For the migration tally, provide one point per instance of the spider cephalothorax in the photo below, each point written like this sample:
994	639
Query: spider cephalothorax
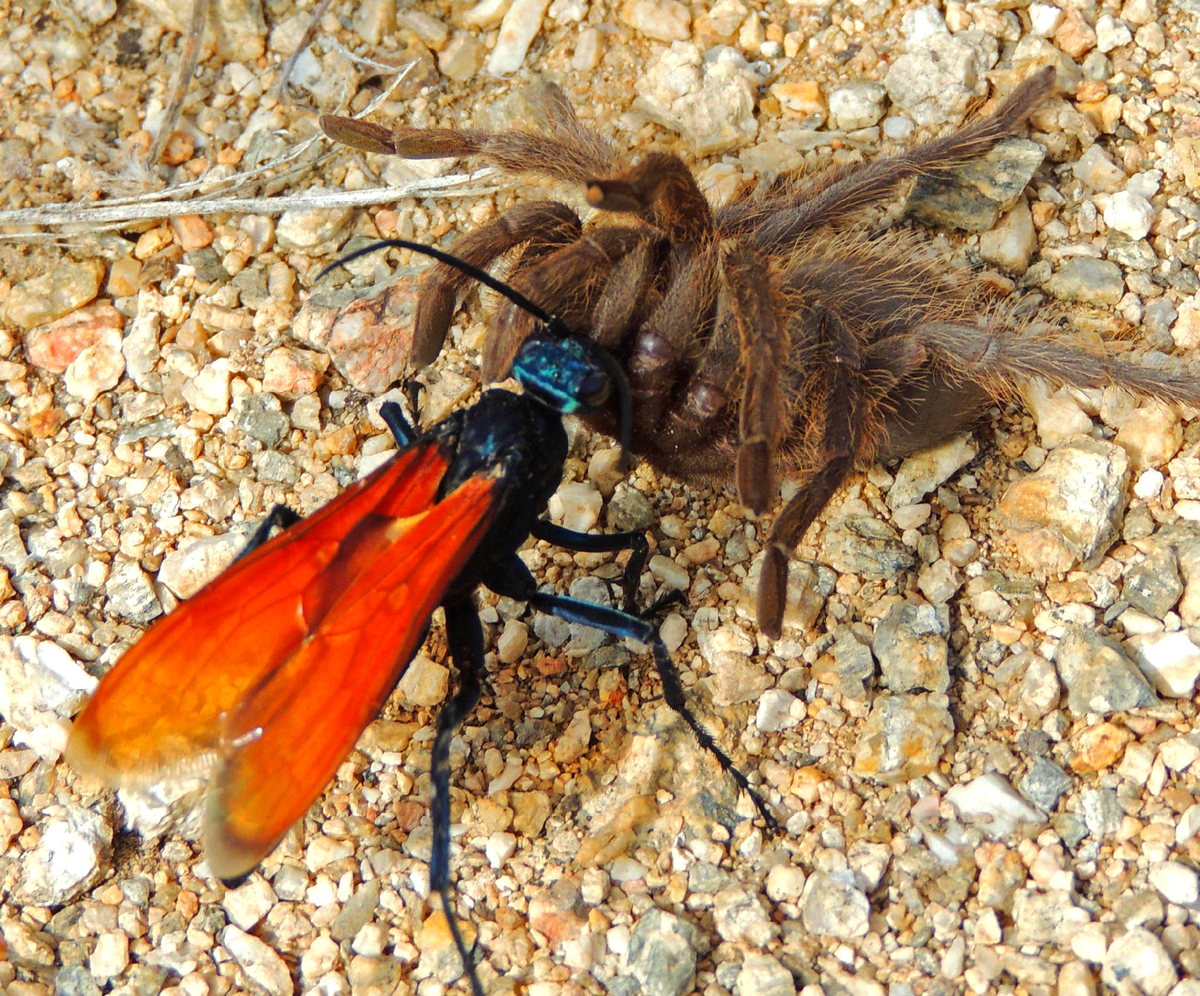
763	336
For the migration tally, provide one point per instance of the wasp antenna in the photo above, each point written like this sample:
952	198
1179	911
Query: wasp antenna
485	278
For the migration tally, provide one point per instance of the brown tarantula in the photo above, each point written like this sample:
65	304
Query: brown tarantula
761	336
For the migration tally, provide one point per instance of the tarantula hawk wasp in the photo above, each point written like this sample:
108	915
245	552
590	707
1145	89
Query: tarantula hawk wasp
269	674
763	336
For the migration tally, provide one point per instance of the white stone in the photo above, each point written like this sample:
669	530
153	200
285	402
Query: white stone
785	883
1129	213
777	711
499	848
1178	883
993	805
1111	33
520	26
1170	660
1044	19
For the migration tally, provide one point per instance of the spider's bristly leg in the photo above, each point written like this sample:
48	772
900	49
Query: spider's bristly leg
838	192
563	123
764	348
563	282
660	189
280	517
635	543
1002	362
625	300
535	222
840	441
465	637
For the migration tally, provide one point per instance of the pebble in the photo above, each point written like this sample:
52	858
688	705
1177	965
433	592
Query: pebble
1045	783
69	858
573	743
785	883
1152	584
258	960
292	373
1138	958
43	299
937	81
424	682
1011	242
928	470
856	105
57	345
662	20
1076	979
779	710
1087	280
861	544
1097	171
993	805
709	99
855	665
974	197
312	229
1188	826
1110	34
1090	942
1129	213
520	25
662	953
209	390
1100	678
577	505
1058	416
249	903
1047	918
1099	747
189	568
1070	511
1151	435
1180	753
833	905
511	644
741	918
499	848
1186	329
1178	882
1102	812
110	956
1170	660
130	593
910	645
763	975
903	737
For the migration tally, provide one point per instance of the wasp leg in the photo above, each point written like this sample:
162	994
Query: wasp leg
624	625
465	636
393	417
280	517
635	543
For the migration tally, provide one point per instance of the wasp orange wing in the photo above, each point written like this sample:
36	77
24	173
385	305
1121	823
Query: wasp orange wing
287	737
161	707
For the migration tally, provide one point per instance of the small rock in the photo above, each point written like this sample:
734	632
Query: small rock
662	953
928	470
1094	169
1011	242
662	20
1139	958
936	81
130	593
709	99
855	664
833	905
778	710
993	805
1099	677
42	299
762	975
69	858
1099	747
209	390
577	506
257	959
1170	660
1045	783
293	373
1070	511
312	229
1151	435
739	917
1129	213
862	544
856	105
911	647
250	902
110	957
784	883
1047	918
1102	812
903	737
1178	883
424	682
499	848
57	345
1087	280
520	26
575	739
974	196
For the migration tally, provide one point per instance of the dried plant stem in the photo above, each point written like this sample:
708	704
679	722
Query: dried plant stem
187	69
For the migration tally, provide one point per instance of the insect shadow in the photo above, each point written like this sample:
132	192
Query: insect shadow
272	671
765	336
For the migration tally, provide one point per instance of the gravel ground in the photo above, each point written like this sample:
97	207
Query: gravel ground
980	725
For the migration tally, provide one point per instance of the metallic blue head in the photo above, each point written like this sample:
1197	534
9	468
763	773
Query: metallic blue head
567	375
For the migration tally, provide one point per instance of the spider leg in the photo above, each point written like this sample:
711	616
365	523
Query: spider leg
626	297
540	223
777	222
764	345
660	189
1001	361
841	439
564	282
